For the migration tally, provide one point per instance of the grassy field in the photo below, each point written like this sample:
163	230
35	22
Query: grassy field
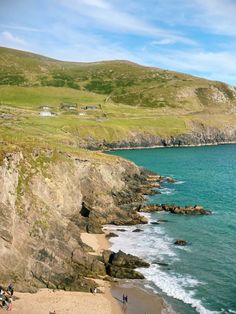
130	100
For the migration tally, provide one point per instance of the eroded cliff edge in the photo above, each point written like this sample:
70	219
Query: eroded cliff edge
47	198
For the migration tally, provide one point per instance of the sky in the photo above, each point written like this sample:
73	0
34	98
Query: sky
192	36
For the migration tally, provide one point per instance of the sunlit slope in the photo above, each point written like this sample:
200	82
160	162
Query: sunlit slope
133	102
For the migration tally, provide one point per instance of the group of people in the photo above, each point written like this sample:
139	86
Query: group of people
6	297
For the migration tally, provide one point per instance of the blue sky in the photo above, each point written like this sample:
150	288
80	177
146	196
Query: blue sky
192	36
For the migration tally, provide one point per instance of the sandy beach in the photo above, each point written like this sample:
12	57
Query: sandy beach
63	302
139	301
108	302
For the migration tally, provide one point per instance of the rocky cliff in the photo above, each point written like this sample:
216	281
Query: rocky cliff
198	134
47	199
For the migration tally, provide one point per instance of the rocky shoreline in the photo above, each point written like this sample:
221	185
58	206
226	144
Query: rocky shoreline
198	135
48	210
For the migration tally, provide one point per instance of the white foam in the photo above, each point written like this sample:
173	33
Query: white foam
179	182
154	245
175	286
150	244
166	191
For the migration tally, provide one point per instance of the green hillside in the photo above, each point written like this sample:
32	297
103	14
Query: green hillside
126	102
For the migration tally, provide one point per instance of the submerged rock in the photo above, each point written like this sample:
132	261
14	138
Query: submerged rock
111	235
181	242
161	264
137	230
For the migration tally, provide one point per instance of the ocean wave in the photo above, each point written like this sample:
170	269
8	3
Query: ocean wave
179	182
148	244
175	286
166	191
157	247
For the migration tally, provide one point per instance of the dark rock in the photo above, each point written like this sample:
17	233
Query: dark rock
130	218
146	191
137	230
174	209
122	259
121	230
170	180
181	242
123	273
162	264
121	265
111	235
106	256
155	223
85	211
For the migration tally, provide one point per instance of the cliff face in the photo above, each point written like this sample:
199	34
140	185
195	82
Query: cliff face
198	134
46	201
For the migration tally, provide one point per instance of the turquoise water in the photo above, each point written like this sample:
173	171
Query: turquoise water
200	278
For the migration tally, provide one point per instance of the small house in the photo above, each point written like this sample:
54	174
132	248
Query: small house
69	106
47	113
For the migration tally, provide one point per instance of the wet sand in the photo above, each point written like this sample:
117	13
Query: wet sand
139	301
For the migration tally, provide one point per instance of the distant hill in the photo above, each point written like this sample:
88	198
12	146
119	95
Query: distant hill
138	103
123	81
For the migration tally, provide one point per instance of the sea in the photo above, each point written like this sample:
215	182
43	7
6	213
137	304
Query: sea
199	277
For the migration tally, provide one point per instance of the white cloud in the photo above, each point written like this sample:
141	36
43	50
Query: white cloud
87	47
212	65
96	3
10	40
22	28
116	19
164	41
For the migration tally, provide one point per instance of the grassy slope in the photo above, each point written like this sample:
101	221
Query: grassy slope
134	99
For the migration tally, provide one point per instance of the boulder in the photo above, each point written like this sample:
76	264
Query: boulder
137	230
121	265
121	259
181	242
111	235
123	273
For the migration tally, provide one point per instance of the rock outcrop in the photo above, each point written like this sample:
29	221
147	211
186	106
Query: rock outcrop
46	200
181	242
174	209
122	265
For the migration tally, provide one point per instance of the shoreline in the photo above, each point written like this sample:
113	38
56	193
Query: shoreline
140	300
170	146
